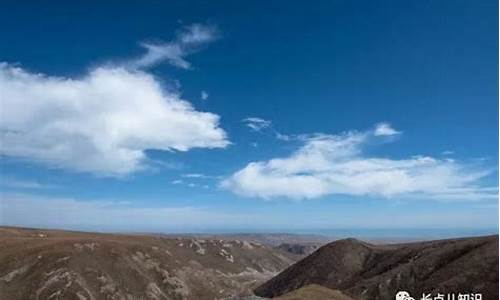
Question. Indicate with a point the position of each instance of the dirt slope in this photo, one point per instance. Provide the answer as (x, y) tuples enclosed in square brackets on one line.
[(314, 292)]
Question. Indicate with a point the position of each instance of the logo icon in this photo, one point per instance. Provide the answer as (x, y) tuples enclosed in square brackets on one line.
[(402, 295)]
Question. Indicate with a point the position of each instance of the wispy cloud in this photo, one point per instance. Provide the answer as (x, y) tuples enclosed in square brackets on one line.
[(257, 124), (195, 180), (204, 95), (336, 164), (197, 185), (104, 121), (15, 183), (199, 175), (194, 175), (264, 126), (385, 129), (189, 40)]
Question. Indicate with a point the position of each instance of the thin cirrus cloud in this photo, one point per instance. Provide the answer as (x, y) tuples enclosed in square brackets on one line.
[(199, 176), (336, 165), (195, 177), (257, 124), (103, 122), (189, 40), (260, 125)]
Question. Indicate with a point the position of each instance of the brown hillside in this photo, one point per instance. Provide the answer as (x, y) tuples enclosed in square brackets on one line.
[(49, 264), (366, 271)]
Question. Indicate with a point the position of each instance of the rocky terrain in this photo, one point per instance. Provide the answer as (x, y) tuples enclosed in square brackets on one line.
[(271, 239), (299, 249), (51, 264), (365, 271)]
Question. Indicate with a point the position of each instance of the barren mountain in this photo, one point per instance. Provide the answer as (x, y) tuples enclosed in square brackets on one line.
[(51, 264), (271, 239), (367, 271), (299, 248)]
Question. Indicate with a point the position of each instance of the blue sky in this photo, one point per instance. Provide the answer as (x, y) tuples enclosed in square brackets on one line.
[(201, 116)]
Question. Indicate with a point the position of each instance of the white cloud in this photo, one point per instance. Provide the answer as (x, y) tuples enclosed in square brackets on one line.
[(100, 123), (261, 125), (385, 129), (195, 175), (336, 164), (188, 41), (257, 124), (204, 95), (199, 176), (194, 180)]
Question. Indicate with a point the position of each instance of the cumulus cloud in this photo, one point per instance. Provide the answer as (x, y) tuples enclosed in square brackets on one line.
[(189, 40), (100, 123), (385, 129), (257, 124), (336, 164)]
